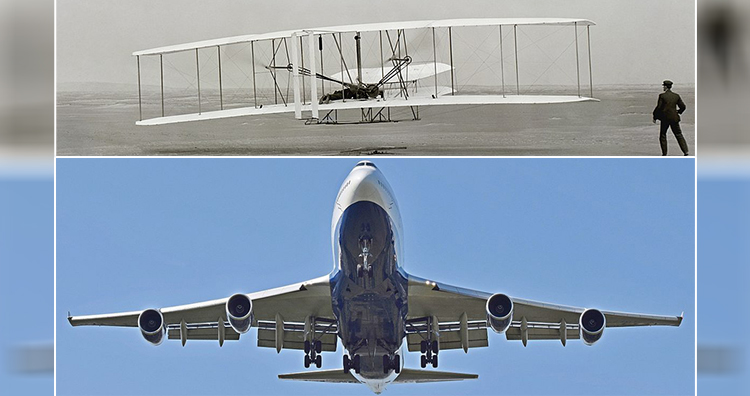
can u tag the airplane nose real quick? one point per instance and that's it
(365, 187)
(365, 183)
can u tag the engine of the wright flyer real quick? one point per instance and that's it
(352, 91)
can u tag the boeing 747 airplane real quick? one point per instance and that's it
(372, 305)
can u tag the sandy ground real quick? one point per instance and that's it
(103, 124)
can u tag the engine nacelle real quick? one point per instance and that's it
(240, 313)
(499, 312)
(592, 324)
(151, 323)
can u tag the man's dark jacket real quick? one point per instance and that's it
(667, 107)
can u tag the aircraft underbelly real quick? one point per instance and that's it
(370, 306)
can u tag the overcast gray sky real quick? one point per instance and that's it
(634, 42)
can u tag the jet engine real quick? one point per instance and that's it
(592, 324)
(240, 313)
(151, 323)
(499, 312)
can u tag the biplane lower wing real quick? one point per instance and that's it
(373, 103)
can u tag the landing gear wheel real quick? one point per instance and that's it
(435, 347)
(318, 346)
(434, 361)
(369, 271)
(356, 364)
(359, 271)
(397, 363)
(347, 364)
(307, 361)
(319, 361)
(423, 361)
(307, 347)
(386, 364)
(423, 346)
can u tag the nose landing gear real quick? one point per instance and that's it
(365, 267)
(362, 270)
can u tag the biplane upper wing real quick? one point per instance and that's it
(367, 27)
(286, 59)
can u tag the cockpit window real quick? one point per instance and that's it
(366, 163)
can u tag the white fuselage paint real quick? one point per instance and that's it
(366, 183)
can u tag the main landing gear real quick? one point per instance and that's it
(312, 353)
(429, 353)
(392, 363)
(351, 364)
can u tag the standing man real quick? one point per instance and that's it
(668, 110)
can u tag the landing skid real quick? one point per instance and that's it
(367, 116)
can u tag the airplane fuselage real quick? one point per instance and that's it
(368, 288)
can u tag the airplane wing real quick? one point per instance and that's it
(368, 27)
(252, 63)
(293, 304)
(444, 100)
(538, 320)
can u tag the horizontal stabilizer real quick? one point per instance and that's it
(321, 376)
(409, 376)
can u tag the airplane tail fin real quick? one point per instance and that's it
(407, 376)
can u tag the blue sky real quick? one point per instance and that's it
(724, 232)
(615, 234)
(26, 280)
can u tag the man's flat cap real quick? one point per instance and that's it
(667, 83)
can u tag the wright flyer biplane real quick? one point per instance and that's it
(371, 69)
